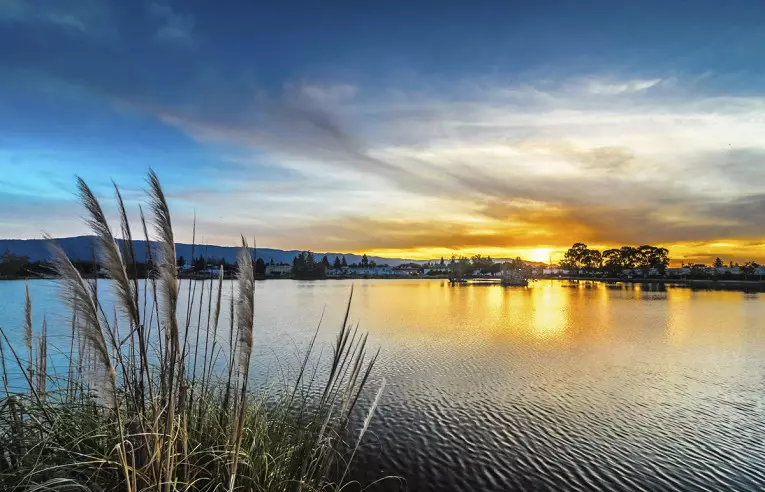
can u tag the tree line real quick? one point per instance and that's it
(580, 259)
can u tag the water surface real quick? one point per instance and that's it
(554, 387)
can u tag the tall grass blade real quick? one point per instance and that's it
(28, 336)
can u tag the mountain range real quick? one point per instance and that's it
(80, 248)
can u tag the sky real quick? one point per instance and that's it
(408, 129)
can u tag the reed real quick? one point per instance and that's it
(132, 412)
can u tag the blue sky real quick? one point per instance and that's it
(400, 127)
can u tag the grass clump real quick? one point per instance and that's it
(143, 405)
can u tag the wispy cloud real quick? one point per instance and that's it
(175, 27)
(601, 87)
(86, 17)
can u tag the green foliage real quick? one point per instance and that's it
(305, 266)
(15, 266)
(575, 258)
(484, 264)
(517, 265)
(460, 267)
(749, 268)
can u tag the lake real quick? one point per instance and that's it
(559, 386)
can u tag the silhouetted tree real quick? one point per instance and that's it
(364, 261)
(612, 261)
(749, 268)
(483, 264)
(181, 262)
(14, 265)
(337, 264)
(461, 267)
(652, 257)
(344, 263)
(260, 267)
(575, 258)
(592, 260)
(305, 266)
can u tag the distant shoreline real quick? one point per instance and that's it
(693, 283)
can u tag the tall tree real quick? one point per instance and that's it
(718, 263)
(749, 268)
(11, 264)
(629, 257)
(337, 264)
(305, 266)
(592, 260)
(612, 261)
(650, 257)
(325, 262)
(364, 261)
(260, 267)
(575, 257)
(344, 263)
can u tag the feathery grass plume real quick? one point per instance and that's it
(111, 257)
(168, 281)
(129, 261)
(245, 305)
(28, 329)
(77, 296)
(245, 317)
(127, 243)
(167, 269)
(81, 302)
(151, 276)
